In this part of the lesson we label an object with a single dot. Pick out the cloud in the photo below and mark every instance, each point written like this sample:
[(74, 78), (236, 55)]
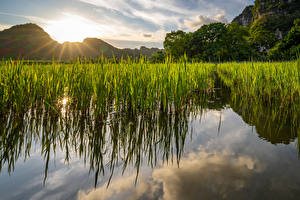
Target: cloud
[(147, 35), (160, 13), (102, 193), (156, 17), (133, 44), (221, 18), (135, 17), (170, 12), (214, 175), (31, 18), (202, 20), (108, 29), (4, 26)]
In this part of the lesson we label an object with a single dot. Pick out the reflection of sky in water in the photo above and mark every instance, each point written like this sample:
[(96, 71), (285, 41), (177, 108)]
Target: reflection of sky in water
[(231, 164)]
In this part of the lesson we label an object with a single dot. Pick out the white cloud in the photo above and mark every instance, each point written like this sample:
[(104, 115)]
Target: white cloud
[(106, 29), (159, 13), (105, 193), (167, 15), (31, 18), (202, 20), (4, 26), (192, 180)]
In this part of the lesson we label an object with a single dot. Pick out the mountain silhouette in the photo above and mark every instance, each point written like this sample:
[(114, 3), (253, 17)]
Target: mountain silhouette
[(29, 41)]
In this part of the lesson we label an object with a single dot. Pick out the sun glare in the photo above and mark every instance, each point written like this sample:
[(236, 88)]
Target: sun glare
[(71, 28)]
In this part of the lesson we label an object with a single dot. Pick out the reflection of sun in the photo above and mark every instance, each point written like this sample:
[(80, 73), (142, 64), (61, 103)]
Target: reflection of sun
[(71, 28), (64, 101)]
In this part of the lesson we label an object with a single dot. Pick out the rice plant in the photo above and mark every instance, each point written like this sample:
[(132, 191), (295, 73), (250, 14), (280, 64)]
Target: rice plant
[(131, 111), (268, 93), (138, 86), (103, 111)]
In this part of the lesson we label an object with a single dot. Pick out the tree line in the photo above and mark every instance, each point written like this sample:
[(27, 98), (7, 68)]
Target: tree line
[(218, 42)]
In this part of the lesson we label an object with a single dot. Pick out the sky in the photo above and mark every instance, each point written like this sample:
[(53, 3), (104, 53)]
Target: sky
[(124, 24)]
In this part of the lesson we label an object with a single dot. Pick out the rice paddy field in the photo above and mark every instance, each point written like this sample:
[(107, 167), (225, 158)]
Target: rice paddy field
[(134, 129)]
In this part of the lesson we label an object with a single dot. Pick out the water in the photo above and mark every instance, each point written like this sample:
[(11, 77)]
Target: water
[(225, 149)]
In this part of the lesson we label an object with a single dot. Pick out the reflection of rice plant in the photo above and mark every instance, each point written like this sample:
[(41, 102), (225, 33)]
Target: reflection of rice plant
[(270, 89)]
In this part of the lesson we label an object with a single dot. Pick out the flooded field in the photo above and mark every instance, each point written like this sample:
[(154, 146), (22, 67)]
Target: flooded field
[(149, 131)]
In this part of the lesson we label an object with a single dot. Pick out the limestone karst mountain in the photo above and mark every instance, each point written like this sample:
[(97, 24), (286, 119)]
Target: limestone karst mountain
[(29, 41), (276, 16)]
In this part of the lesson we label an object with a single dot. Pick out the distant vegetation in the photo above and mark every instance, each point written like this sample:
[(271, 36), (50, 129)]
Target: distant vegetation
[(232, 42), (269, 30)]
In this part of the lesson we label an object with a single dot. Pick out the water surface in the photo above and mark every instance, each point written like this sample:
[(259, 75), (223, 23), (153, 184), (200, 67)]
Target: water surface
[(220, 149)]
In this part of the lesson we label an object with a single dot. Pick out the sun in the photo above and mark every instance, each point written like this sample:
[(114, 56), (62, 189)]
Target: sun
[(71, 28)]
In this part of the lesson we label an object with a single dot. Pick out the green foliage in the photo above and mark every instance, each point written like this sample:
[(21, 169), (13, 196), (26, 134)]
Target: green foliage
[(176, 43), (237, 45), (256, 8), (289, 47), (158, 57), (262, 40), (219, 42), (272, 22), (207, 42), (213, 42)]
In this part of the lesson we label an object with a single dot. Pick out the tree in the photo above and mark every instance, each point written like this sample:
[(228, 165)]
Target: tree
[(158, 57), (262, 40), (212, 42), (237, 45), (207, 42), (176, 43)]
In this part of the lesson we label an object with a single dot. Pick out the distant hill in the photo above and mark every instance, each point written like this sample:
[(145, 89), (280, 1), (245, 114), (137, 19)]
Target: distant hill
[(276, 16), (246, 17), (29, 41)]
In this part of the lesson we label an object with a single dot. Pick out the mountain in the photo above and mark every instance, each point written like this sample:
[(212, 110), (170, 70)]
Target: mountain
[(276, 16), (245, 18), (29, 41), (90, 47)]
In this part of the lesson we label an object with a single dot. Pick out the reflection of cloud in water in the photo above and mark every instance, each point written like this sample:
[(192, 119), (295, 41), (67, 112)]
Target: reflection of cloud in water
[(124, 188), (216, 175), (232, 164)]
